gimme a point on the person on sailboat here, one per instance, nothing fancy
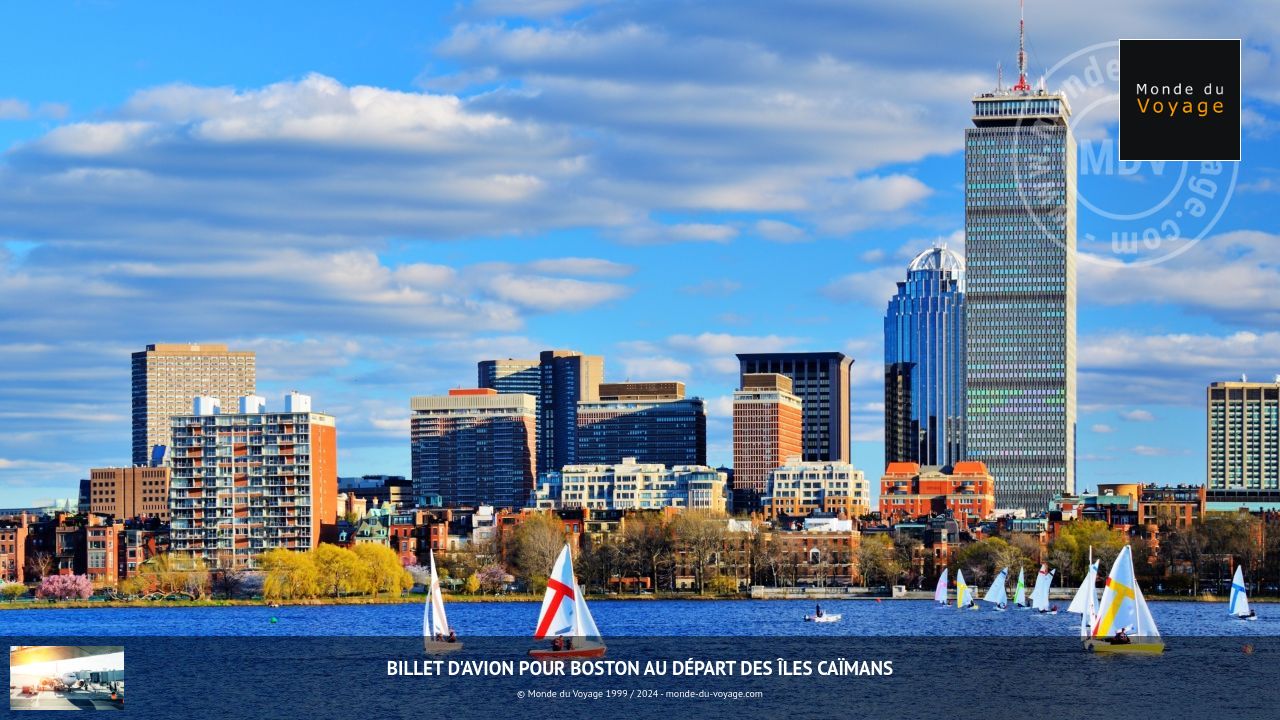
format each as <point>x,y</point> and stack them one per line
<point>453,635</point>
<point>817,610</point>
<point>1121,638</point>
<point>557,644</point>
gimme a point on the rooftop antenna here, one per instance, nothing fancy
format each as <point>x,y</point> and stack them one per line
<point>999,77</point>
<point>1022,85</point>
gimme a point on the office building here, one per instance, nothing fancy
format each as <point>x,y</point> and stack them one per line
<point>924,362</point>
<point>473,447</point>
<point>909,491</point>
<point>250,481</point>
<point>568,378</point>
<point>510,376</point>
<point>634,485</point>
<point>651,422</point>
<point>821,381</point>
<point>768,428</point>
<point>799,488</point>
<point>1020,293</point>
<point>167,376</point>
<point>132,492</point>
<point>1243,445</point>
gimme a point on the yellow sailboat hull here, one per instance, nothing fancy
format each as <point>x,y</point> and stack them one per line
<point>1095,645</point>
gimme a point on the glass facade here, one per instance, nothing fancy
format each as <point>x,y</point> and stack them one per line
<point>924,356</point>
<point>1020,288</point>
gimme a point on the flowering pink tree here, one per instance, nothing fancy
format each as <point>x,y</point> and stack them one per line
<point>65,587</point>
<point>492,578</point>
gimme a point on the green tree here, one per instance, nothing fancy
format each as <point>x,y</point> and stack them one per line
<point>383,570</point>
<point>174,574</point>
<point>288,575</point>
<point>339,571</point>
<point>877,560</point>
<point>12,591</point>
<point>646,547</point>
<point>984,559</point>
<point>723,585</point>
<point>472,585</point>
<point>1069,551</point>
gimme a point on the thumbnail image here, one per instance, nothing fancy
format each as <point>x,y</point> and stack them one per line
<point>66,677</point>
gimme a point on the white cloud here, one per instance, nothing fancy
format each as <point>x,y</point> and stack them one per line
<point>1138,415</point>
<point>643,369</point>
<point>779,231</point>
<point>1101,428</point>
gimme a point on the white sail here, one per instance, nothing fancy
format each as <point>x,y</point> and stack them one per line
<point>1040,594</point>
<point>997,595</point>
<point>1088,589</point>
<point>963,596</point>
<point>1020,595</point>
<point>1123,606</point>
<point>1239,602</point>
<point>940,592</point>
<point>584,624</point>
<point>435,622</point>
<point>1085,603</point>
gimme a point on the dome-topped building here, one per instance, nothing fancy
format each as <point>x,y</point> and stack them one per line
<point>924,362</point>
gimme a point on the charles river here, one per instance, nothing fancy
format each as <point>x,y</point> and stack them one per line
<point>618,618</point>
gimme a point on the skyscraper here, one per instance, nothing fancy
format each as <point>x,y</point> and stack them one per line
<point>821,381</point>
<point>924,362</point>
<point>510,376</point>
<point>250,481</point>
<point>568,378</point>
<point>1243,445</point>
<point>167,377</point>
<point>1020,324</point>
<point>767,429</point>
<point>650,422</point>
<point>473,447</point>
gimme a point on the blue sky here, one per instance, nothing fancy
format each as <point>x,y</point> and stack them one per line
<point>373,198</point>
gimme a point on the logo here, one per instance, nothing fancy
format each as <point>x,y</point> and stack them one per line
<point>1129,212</point>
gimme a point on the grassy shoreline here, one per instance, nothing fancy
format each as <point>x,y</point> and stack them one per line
<point>509,598</point>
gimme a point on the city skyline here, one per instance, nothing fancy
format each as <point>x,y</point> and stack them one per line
<point>565,219</point>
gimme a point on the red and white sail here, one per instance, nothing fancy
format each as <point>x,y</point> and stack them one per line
<point>564,610</point>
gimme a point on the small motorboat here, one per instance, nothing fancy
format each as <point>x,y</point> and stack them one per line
<point>823,618</point>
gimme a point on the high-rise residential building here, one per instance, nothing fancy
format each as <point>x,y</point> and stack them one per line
<point>909,491</point>
<point>799,488</point>
<point>250,481</point>
<point>510,376</point>
<point>924,362</point>
<point>651,422</point>
<point>634,485</point>
<point>1243,445</point>
<point>131,492</point>
<point>167,376</point>
<point>821,381</point>
<point>568,378</point>
<point>1020,293</point>
<point>768,427</point>
<point>473,447</point>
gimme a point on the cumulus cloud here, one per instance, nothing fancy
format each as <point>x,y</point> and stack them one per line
<point>1138,415</point>
<point>1102,428</point>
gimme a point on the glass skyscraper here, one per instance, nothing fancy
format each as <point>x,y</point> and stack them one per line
<point>924,362</point>
<point>1020,253</point>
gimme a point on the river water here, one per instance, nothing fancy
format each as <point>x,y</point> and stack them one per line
<point>617,618</point>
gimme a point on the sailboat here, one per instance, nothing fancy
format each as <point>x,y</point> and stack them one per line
<point>997,595</point>
<point>1238,605</point>
<point>1040,593</point>
<point>964,598</point>
<point>565,617</point>
<point>1124,609</point>
<point>435,626</point>
<point>1085,603</point>
<point>940,592</point>
<point>1020,595</point>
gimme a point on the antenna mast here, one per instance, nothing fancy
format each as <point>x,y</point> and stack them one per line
<point>1022,85</point>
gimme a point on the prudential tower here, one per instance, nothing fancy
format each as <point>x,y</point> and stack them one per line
<point>1020,252</point>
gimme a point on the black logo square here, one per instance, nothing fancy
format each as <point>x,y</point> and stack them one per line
<point>1180,100</point>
